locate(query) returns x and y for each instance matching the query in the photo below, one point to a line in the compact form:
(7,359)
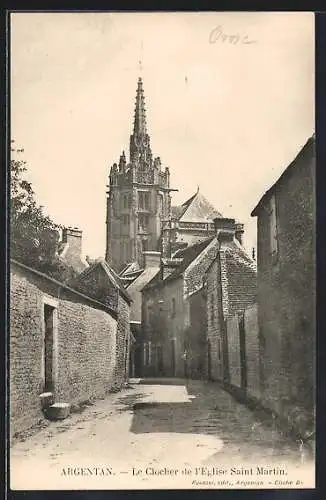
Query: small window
(125,219)
(160,204)
(219,349)
(144,200)
(143,221)
(141,200)
(173,308)
(212,307)
(273,226)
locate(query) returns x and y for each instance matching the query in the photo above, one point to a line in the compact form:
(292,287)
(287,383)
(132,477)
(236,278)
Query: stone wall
(84,345)
(287,289)
(234,354)
(123,343)
(252,351)
(214,324)
(231,284)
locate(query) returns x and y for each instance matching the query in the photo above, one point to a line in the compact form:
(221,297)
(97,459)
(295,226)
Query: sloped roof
(135,288)
(129,278)
(196,209)
(130,268)
(238,252)
(177,211)
(307,149)
(154,281)
(147,275)
(61,284)
(112,275)
(189,254)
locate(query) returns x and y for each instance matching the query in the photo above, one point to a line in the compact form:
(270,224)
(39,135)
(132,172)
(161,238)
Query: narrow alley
(167,433)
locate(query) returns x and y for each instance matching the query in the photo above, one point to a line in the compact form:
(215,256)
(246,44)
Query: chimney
(224,228)
(151,259)
(239,230)
(72,237)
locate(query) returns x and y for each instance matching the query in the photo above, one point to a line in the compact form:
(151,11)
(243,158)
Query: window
(125,201)
(125,220)
(129,200)
(143,200)
(219,349)
(273,226)
(160,204)
(173,308)
(143,221)
(212,308)
(144,244)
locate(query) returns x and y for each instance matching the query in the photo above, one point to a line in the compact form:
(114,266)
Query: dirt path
(146,435)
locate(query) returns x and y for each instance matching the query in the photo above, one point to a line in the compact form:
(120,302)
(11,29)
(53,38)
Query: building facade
(231,289)
(139,197)
(286,287)
(187,306)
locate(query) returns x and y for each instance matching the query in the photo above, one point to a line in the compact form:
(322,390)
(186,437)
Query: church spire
(140,116)
(139,139)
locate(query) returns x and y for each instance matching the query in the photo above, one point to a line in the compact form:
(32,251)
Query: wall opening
(173,356)
(48,315)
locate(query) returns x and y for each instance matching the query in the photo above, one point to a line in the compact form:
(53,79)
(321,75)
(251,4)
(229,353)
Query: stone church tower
(138,198)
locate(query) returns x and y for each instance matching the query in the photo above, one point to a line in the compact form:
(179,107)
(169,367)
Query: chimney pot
(151,259)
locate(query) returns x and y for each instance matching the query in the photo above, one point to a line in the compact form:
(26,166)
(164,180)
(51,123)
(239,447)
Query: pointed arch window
(144,200)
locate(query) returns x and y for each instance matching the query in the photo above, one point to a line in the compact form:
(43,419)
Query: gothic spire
(139,139)
(140,117)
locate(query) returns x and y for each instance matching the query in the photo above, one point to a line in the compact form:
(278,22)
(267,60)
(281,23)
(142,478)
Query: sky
(223,114)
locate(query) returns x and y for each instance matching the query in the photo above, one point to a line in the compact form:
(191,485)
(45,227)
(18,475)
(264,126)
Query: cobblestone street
(127,439)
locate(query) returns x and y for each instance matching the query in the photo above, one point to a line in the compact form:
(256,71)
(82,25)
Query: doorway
(242,342)
(160,365)
(173,354)
(48,348)
(209,360)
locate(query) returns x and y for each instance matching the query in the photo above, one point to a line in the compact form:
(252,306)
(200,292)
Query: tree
(34,237)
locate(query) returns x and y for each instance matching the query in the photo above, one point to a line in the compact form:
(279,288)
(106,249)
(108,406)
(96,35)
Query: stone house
(186,307)
(174,314)
(101,282)
(231,288)
(286,287)
(62,341)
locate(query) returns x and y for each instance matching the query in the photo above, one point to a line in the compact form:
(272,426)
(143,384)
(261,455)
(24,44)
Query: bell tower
(138,199)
